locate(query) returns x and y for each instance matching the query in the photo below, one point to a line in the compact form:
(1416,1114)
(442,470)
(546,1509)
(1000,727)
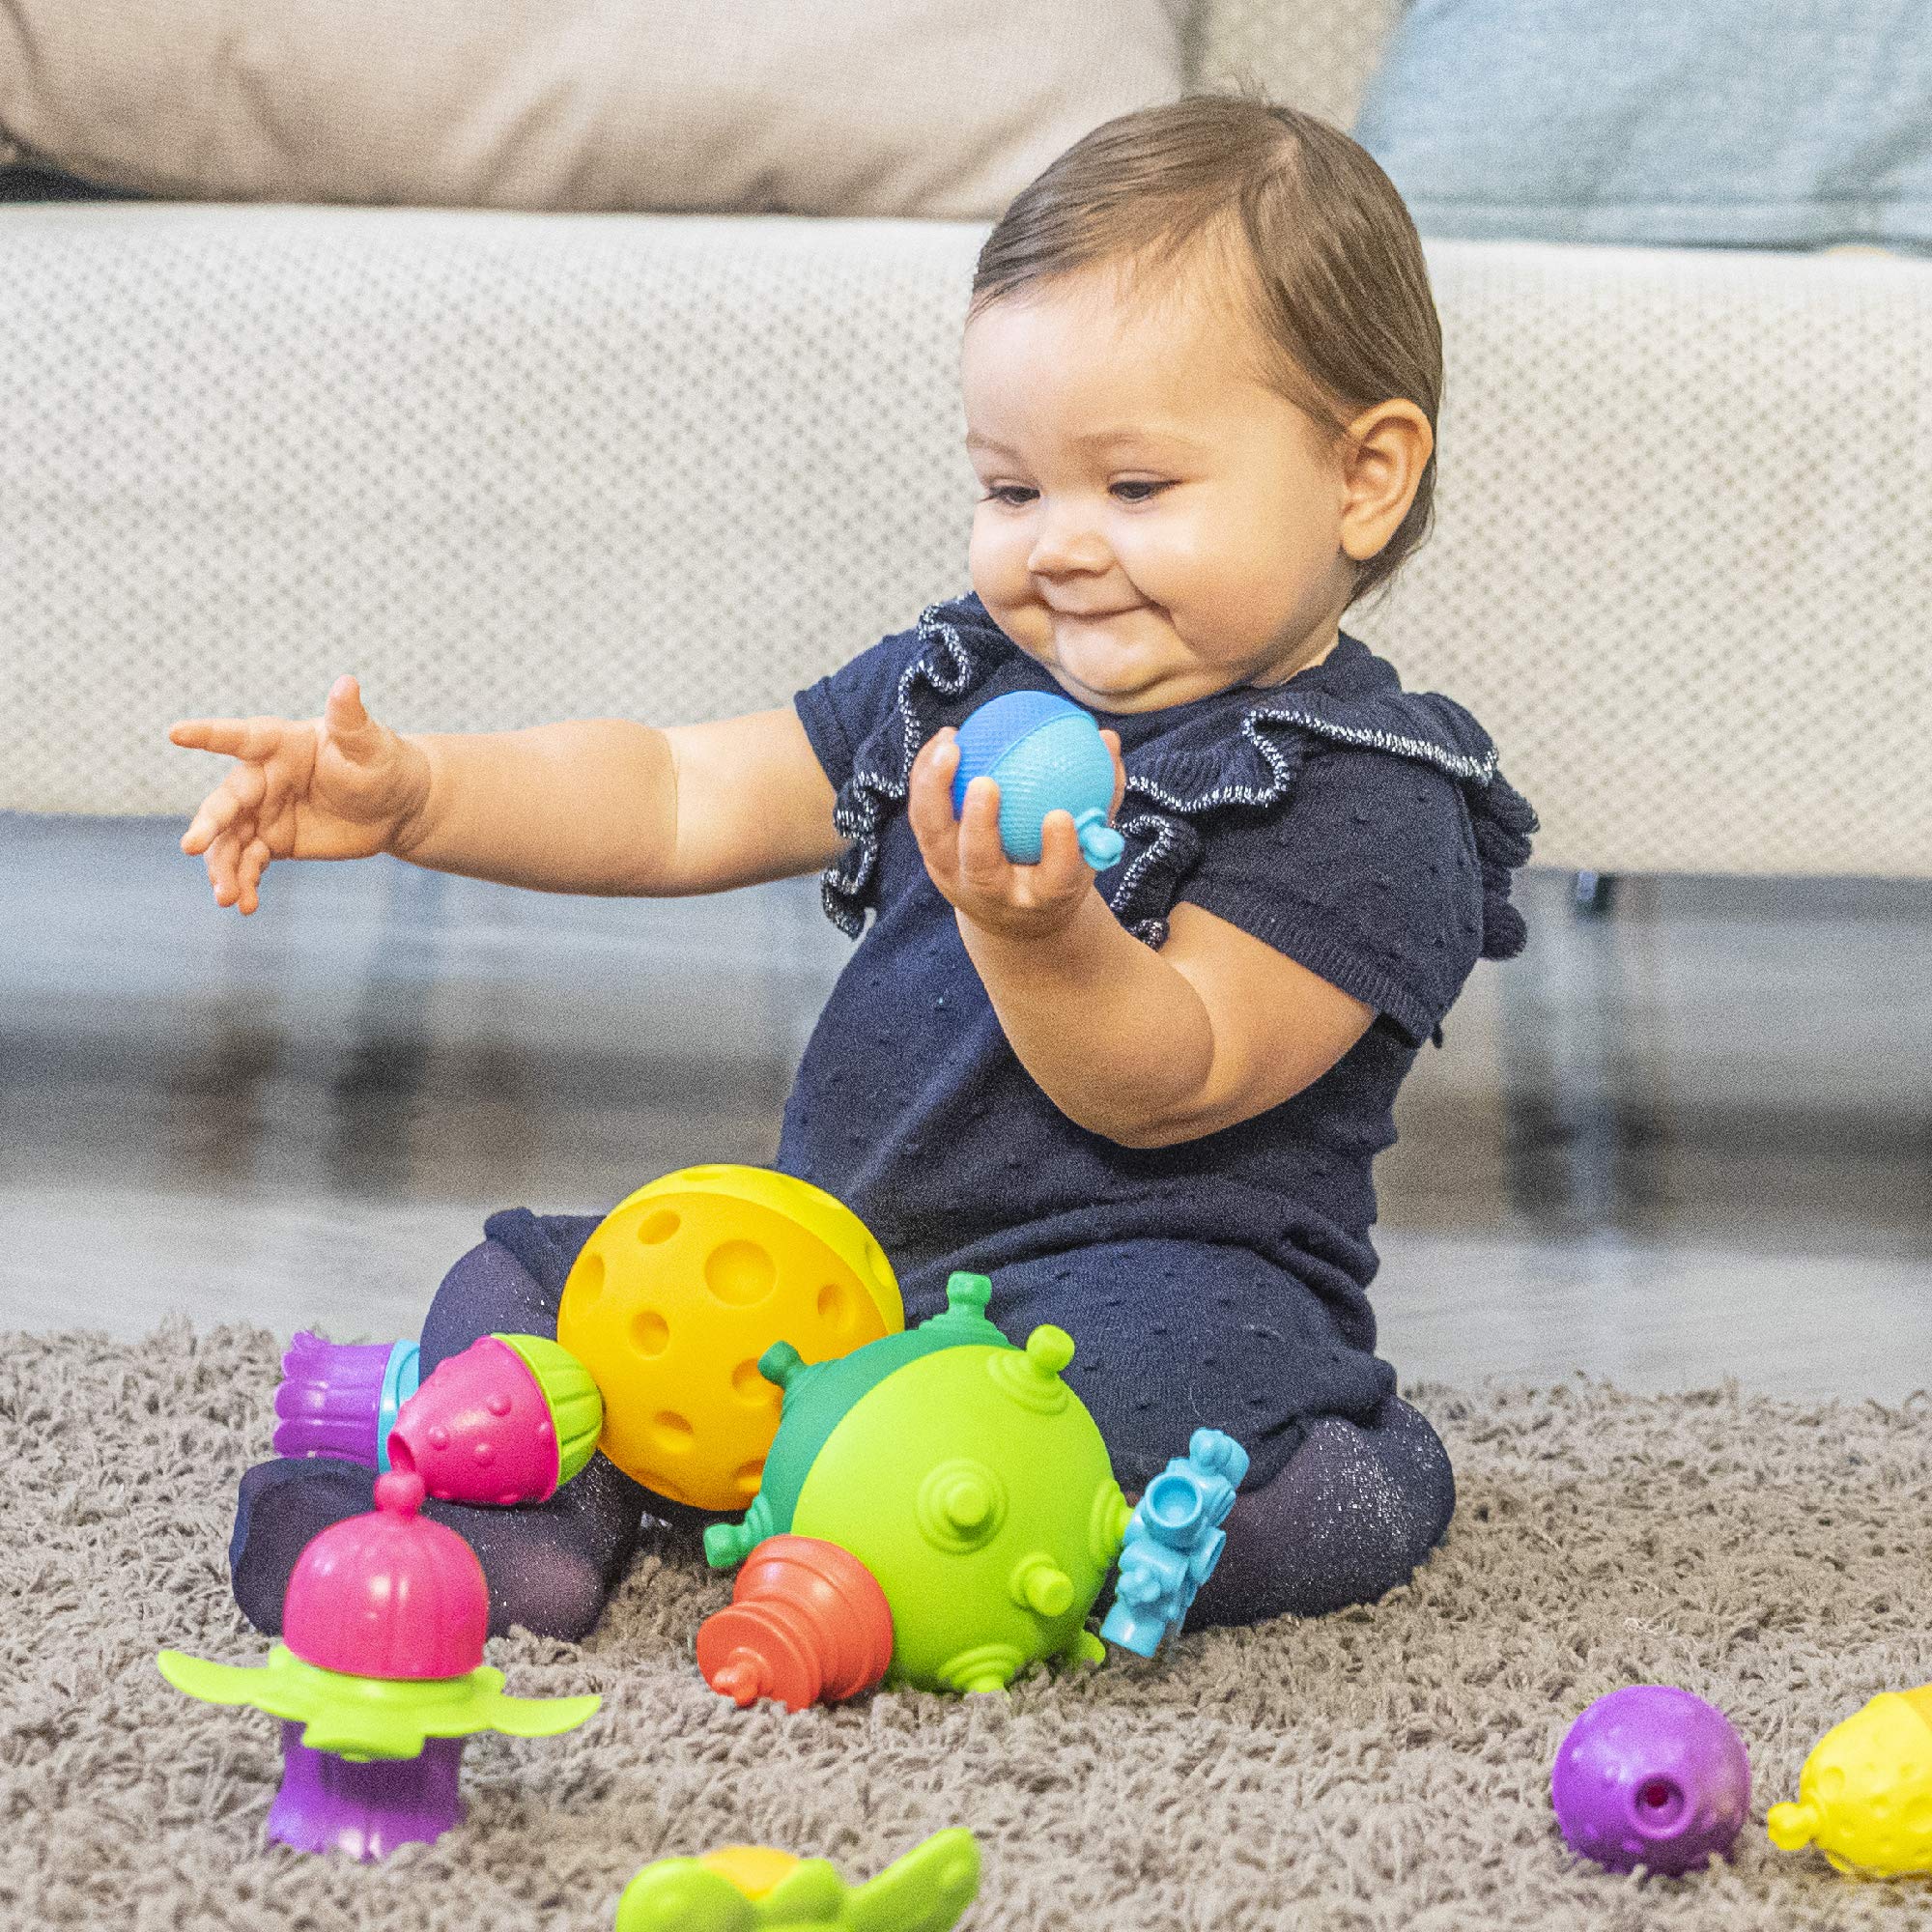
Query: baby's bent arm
(613,806)
(1149,1048)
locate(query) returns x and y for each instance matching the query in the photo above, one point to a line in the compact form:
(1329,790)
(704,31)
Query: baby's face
(1155,523)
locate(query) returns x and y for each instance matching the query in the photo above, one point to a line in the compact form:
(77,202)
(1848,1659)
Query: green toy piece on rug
(368,1717)
(742,1887)
(938,1509)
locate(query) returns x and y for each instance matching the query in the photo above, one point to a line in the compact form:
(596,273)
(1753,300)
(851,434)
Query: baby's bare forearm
(1116,1038)
(587,806)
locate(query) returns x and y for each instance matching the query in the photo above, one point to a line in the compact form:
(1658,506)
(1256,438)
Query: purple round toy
(1651,1776)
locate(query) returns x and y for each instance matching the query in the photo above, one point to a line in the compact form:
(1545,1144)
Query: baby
(1201,371)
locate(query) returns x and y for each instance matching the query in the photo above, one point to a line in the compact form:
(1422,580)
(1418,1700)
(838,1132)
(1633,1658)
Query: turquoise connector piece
(399,1382)
(1174,1540)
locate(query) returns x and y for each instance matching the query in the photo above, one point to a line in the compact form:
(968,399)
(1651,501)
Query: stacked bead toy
(378,1679)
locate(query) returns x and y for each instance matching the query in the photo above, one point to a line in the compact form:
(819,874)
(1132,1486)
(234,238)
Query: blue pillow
(1756,124)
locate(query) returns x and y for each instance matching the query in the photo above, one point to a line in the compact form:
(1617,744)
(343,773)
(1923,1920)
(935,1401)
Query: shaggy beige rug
(1386,1768)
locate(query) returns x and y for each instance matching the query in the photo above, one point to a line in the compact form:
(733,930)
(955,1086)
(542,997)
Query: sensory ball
(1651,1776)
(678,1292)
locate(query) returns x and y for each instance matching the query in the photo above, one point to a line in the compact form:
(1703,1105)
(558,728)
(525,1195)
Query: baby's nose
(1068,544)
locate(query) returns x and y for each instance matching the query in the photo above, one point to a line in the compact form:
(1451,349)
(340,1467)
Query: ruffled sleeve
(1372,841)
(867,720)
(841,711)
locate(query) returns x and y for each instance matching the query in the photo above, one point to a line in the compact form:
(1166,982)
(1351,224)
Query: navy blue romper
(1362,830)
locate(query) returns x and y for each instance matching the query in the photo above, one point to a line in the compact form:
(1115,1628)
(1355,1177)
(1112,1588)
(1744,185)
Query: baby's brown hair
(1312,235)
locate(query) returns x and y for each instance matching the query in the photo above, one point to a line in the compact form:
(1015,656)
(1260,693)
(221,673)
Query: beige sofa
(517,467)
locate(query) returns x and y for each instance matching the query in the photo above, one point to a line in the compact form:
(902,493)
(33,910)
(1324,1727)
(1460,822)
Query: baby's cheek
(997,564)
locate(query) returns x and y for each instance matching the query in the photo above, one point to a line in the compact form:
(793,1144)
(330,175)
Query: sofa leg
(1593,895)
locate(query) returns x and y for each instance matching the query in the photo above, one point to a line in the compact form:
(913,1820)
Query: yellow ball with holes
(678,1292)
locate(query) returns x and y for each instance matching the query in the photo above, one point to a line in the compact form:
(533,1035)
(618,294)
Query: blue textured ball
(1046,755)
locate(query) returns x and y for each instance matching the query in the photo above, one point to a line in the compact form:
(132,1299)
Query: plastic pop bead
(1651,1776)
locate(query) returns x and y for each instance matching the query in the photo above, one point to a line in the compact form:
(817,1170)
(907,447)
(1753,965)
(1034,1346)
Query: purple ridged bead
(336,1397)
(327,1803)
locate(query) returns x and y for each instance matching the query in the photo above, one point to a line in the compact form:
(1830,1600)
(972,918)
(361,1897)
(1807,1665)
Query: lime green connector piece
(743,1887)
(576,1407)
(364,1717)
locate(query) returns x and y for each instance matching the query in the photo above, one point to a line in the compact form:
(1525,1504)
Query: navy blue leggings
(1337,1509)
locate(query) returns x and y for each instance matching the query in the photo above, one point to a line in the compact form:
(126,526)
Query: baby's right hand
(338,787)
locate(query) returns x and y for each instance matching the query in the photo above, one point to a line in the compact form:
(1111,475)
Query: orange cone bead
(806,1624)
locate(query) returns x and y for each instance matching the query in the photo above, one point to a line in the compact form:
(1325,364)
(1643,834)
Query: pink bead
(480,1430)
(389,1594)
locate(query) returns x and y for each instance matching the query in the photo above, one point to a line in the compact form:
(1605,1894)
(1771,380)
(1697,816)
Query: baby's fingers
(254,862)
(1063,867)
(236,862)
(241,792)
(983,863)
(255,738)
(929,799)
(224,863)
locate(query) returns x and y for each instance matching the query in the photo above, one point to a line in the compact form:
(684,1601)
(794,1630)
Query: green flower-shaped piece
(364,1717)
(924,1891)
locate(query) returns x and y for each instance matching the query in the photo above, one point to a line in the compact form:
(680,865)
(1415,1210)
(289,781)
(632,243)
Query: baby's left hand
(967,862)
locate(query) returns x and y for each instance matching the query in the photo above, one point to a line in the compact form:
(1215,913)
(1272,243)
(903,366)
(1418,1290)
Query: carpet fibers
(1386,1768)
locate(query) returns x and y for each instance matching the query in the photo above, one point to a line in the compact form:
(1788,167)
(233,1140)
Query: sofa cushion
(1744,123)
(894,107)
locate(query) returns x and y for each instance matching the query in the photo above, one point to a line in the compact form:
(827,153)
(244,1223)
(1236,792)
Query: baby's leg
(551,1566)
(1348,1486)
(1349,1515)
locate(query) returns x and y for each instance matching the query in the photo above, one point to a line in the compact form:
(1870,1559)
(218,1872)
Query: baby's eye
(1016,496)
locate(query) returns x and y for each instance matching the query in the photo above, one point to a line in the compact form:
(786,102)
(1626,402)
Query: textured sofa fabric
(511,468)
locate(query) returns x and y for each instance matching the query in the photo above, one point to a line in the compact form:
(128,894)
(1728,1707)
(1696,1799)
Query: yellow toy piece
(754,1870)
(1865,1796)
(678,1292)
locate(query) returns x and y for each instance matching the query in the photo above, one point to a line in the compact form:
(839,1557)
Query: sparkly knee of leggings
(551,1566)
(1345,1519)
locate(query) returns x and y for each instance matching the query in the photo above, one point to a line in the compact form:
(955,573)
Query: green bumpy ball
(971,1482)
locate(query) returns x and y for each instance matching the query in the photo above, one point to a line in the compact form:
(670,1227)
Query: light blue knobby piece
(1046,755)
(400,1378)
(1174,1540)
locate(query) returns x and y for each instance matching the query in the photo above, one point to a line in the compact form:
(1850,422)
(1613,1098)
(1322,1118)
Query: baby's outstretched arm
(609,806)
(1148,1048)
(601,806)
